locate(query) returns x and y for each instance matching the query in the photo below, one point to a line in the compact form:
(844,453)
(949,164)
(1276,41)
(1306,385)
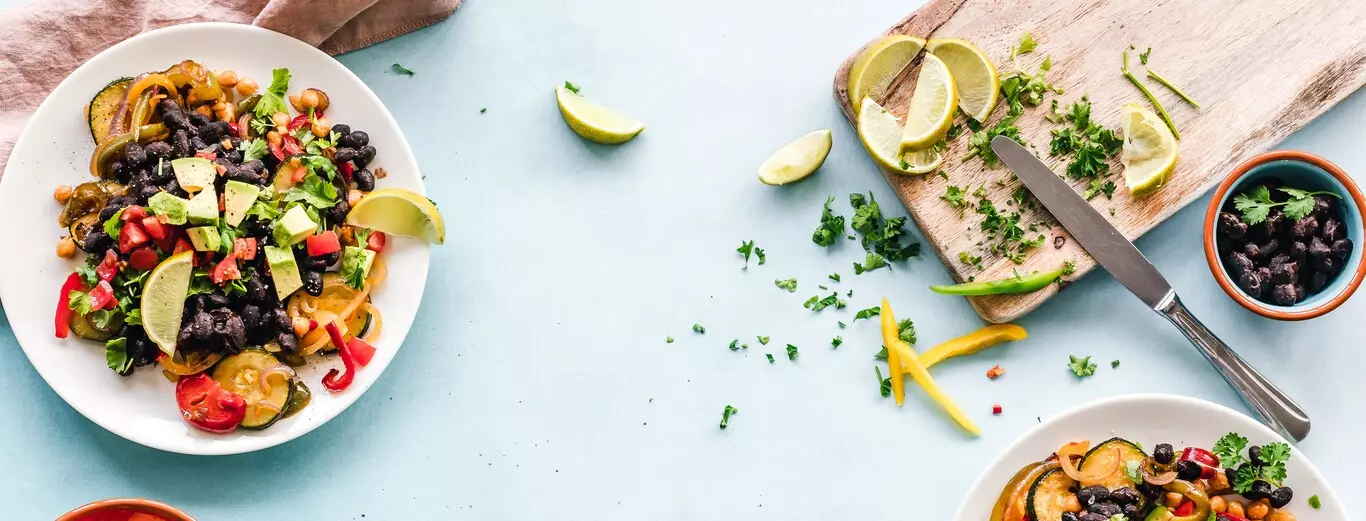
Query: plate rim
(1335,506)
(345,400)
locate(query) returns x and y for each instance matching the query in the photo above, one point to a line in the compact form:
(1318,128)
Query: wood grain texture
(1261,69)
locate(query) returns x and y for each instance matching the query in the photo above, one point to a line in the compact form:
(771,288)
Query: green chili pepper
(1016,284)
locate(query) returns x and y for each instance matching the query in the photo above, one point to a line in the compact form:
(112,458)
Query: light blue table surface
(536,383)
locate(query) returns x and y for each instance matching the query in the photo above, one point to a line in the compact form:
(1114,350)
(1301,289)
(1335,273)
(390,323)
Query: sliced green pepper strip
(112,148)
(1017,284)
(1197,496)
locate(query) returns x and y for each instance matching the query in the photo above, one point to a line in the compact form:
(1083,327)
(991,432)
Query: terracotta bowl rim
(135,504)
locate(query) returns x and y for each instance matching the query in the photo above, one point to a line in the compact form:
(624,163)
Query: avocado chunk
(355,265)
(293,226)
(284,272)
(205,238)
(237,199)
(203,208)
(172,208)
(194,173)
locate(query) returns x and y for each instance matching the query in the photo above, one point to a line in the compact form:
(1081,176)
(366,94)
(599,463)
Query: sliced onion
(1159,479)
(263,381)
(1078,449)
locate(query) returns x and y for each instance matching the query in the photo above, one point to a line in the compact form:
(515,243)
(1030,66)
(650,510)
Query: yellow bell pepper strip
(147,82)
(902,359)
(972,343)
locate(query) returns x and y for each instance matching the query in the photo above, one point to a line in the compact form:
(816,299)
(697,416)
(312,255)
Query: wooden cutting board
(1261,69)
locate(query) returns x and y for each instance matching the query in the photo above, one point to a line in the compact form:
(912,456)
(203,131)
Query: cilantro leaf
(1298,207)
(1027,44)
(1131,470)
(313,191)
(868,313)
(116,356)
(871,261)
(788,284)
(835,342)
(729,410)
(403,70)
(697,328)
(1082,367)
(114,224)
(353,268)
(970,260)
(831,227)
(760,253)
(571,87)
(253,149)
(1255,204)
(1229,450)
(273,98)
(905,330)
(1314,502)
(835,277)
(763,340)
(792,352)
(79,301)
(746,248)
(955,196)
(884,385)
(734,345)
(770,357)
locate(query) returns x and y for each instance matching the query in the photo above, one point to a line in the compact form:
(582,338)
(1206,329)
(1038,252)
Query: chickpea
(63,193)
(1281,515)
(280,119)
(1201,485)
(321,127)
(247,86)
(309,99)
(227,113)
(273,137)
(206,110)
(300,326)
(1220,481)
(1173,499)
(1235,508)
(227,79)
(353,196)
(1258,509)
(1071,505)
(1218,505)
(297,103)
(66,248)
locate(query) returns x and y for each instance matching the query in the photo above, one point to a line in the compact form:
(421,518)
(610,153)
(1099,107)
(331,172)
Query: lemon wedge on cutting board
(595,122)
(973,74)
(881,136)
(796,160)
(1149,153)
(932,106)
(874,70)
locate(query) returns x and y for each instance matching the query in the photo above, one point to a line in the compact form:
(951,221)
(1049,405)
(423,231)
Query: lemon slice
(595,122)
(400,212)
(973,74)
(1149,154)
(163,300)
(874,70)
(797,159)
(881,135)
(932,106)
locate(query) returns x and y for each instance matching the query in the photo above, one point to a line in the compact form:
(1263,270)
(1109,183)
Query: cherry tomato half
(207,406)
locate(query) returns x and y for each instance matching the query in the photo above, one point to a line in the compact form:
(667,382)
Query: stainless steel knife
(1119,256)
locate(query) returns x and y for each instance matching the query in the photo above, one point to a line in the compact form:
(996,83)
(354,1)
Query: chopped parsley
(867,313)
(571,87)
(759,252)
(697,328)
(1272,469)
(1114,364)
(353,266)
(1069,267)
(1091,146)
(815,303)
(1131,470)
(1082,367)
(763,340)
(905,330)
(835,277)
(970,260)
(792,352)
(871,261)
(727,412)
(831,227)
(734,345)
(840,323)
(483,110)
(669,339)
(788,284)
(253,149)
(1097,188)
(1026,46)
(273,97)
(403,70)
(1256,204)
(835,342)
(746,248)
(1229,449)
(770,357)
(116,356)
(1314,502)
(1005,235)
(881,236)
(979,145)
(884,385)
(1143,56)
(955,196)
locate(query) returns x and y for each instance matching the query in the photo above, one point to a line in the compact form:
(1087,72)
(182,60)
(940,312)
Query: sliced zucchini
(241,374)
(1102,455)
(299,400)
(104,107)
(83,327)
(81,227)
(1049,495)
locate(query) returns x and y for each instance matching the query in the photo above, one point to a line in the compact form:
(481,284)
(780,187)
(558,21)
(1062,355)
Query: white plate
(55,149)
(1148,419)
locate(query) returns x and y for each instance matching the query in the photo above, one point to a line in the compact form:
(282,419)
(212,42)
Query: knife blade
(1100,239)
(1128,265)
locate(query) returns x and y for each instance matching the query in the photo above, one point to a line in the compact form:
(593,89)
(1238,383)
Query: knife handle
(1277,410)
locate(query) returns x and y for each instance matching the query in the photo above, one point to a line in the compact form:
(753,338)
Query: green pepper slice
(1016,284)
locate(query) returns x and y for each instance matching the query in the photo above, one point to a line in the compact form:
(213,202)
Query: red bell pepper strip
(334,380)
(346,170)
(63,319)
(361,351)
(276,151)
(109,267)
(1185,508)
(102,296)
(291,145)
(298,122)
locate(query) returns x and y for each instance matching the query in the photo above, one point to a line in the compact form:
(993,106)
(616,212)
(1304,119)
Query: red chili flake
(996,409)
(995,372)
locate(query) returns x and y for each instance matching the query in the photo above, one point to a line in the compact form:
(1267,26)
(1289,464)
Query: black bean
(233,156)
(1150,491)
(1260,490)
(1239,264)
(364,156)
(1298,250)
(157,150)
(213,131)
(1281,497)
(1131,511)
(365,180)
(341,129)
(1163,453)
(1269,248)
(1324,204)
(236,331)
(1093,494)
(1284,295)
(1068,516)
(1251,283)
(1254,455)
(251,316)
(1341,248)
(1279,258)
(282,321)
(1125,496)
(287,340)
(1092,516)
(1253,252)
(180,145)
(353,139)
(133,154)
(256,291)
(184,338)
(343,154)
(1332,230)
(1316,282)
(1188,470)
(198,119)
(198,144)
(313,282)
(175,119)
(1318,249)
(1231,226)
(337,213)
(96,241)
(1106,509)
(1329,265)
(1305,227)
(1285,273)
(245,175)
(202,326)
(1274,223)
(215,301)
(147,191)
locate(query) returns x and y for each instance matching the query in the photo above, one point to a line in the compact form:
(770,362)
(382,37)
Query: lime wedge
(163,300)
(973,74)
(1149,154)
(881,136)
(400,212)
(595,122)
(874,70)
(796,160)
(932,106)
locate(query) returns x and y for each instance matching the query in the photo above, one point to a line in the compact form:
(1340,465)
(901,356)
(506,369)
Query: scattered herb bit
(1098,187)
(483,110)
(1082,367)
(1069,267)
(942,174)
(734,345)
(1026,46)
(817,304)
(831,227)
(1143,56)
(970,260)
(1112,212)
(1005,235)
(669,339)
(116,356)
(571,87)
(835,342)
(1314,502)
(763,340)
(835,277)
(403,70)
(881,354)
(1114,364)
(979,145)
(871,261)
(759,252)
(884,385)
(697,328)
(905,329)
(867,313)
(880,235)
(1272,469)
(904,165)
(954,131)
(995,372)
(770,357)
(822,287)
(1154,75)
(1131,470)
(1161,111)
(841,324)
(788,284)
(746,248)
(955,196)
(726,414)
(1256,204)
(792,352)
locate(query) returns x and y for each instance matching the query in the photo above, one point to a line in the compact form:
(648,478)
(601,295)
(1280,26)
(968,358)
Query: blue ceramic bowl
(1307,172)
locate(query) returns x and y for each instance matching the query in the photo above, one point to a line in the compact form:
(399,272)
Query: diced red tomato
(109,267)
(297,176)
(63,318)
(346,170)
(323,244)
(1185,508)
(220,168)
(244,248)
(361,351)
(376,241)
(182,245)
(155,228)
(225,271)
(143,259)
(133,213)
(207,406)
(276,151)
(222,202)
(102,296)
(206,154)
(291,145)
(132,236)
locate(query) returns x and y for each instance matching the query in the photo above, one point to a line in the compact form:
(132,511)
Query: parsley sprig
(1082,367)
(831,227)
(1256,204)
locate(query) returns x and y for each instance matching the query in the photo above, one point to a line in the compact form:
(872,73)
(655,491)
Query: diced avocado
(267,193)
(1159,514)
(194,173)
(355,265)
(237,199)
(203,208)
(171,207)
(293,226)
(283,271)
(205,238)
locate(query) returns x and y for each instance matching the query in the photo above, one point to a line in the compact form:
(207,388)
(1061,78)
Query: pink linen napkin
(48,39)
